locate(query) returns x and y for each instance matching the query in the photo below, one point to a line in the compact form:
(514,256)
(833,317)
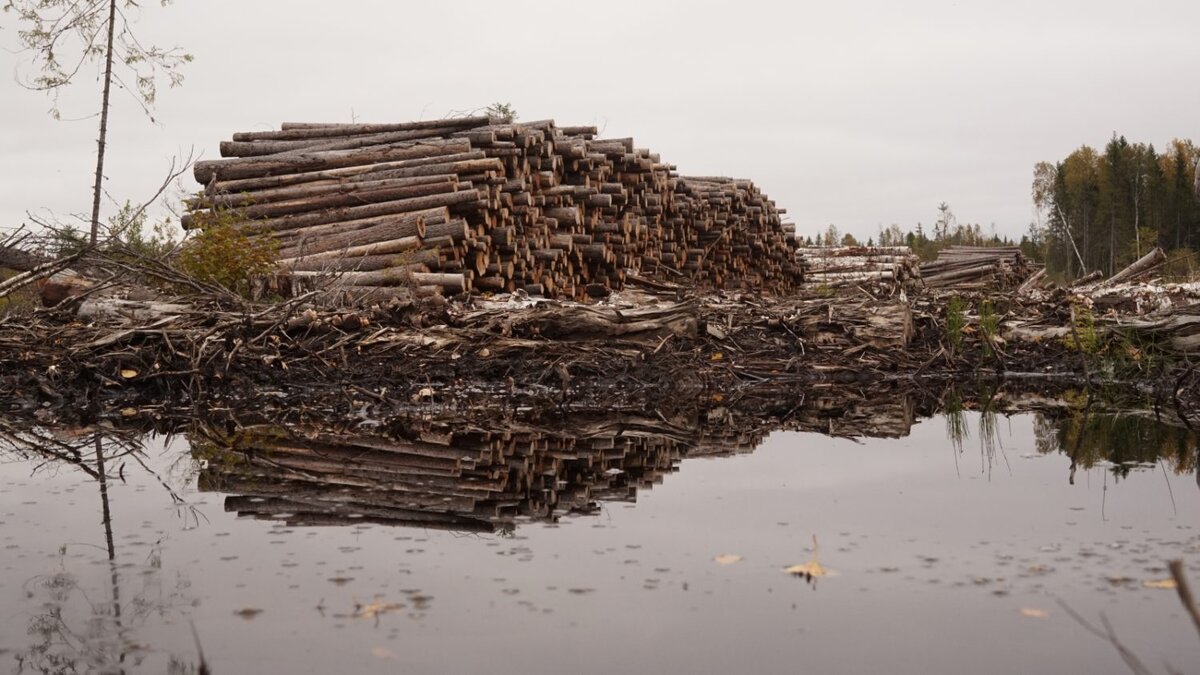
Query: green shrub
(227,255)
(989,325)
(956,323)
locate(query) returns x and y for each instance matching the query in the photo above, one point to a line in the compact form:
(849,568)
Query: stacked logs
(837,266)
(977,268)
(475,204)
(448,477)
(440,472)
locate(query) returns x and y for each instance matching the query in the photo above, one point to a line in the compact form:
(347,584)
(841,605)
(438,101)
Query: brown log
(340,199)
(297,130)
(347,213)
(228,169)
(276,147)
(352,233)
(1139,267)
(366,172)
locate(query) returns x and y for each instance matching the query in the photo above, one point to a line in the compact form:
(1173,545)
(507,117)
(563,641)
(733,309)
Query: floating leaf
(727,559)
(811,569)
(1160,584)
(1034,613)
(383,653)
(375,609)
(129,373)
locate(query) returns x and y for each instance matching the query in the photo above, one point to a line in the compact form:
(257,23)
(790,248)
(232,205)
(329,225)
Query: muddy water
(939,554)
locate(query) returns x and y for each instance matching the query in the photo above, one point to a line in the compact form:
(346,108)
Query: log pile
(440,471)
(449,477)
(474,204)
(977,268)
(838,266)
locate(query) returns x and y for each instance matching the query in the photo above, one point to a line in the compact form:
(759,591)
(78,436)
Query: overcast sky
(859,114)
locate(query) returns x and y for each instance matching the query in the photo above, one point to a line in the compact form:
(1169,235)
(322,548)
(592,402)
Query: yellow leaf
(129,412)
(383,653)
(811,568)
(1035,613)
(727,559)
(1161,584)
(129,374)
(375,609)
(717,356)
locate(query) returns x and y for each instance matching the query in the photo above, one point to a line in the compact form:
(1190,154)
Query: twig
(1185,591)
(1109,635)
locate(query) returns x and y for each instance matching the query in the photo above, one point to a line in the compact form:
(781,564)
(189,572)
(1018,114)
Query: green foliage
(956,421)
(502,112)
(989,325)
(19,301)
(128,227)
(225,254)
(1122,440)
(1104,209)
(1182,265)
(956,323)
(62,36)
(1083,336)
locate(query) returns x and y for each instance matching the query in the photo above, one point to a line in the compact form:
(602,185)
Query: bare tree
(64,37)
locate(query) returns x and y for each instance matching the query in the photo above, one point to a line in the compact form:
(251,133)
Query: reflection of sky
(934,563)
(860,114)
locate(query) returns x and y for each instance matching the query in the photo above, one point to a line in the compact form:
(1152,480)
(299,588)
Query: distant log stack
(977,268)
(474,204)
(837,266)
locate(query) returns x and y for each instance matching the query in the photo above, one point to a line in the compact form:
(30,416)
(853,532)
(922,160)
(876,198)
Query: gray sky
(859,114)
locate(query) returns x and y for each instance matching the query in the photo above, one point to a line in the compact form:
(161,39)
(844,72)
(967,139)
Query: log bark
(1139,267)
(229,169)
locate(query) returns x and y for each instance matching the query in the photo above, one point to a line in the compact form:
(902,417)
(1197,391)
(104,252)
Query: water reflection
(487,475)
(106,603)
(83,624)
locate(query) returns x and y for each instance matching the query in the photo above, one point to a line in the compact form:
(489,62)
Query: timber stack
(480,205)
(837,266)
(977,268)
(438,471)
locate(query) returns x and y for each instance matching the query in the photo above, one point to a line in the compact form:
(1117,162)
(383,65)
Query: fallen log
(1139,267)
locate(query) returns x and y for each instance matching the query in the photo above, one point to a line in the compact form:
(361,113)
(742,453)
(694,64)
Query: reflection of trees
(1124,439)
(82,629)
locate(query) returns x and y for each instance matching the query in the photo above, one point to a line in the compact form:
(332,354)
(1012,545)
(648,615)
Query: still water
(955,548)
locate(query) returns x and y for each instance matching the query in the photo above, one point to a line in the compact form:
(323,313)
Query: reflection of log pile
(474,204)
(972,267)
(449,474)
(836,266)
(453,479)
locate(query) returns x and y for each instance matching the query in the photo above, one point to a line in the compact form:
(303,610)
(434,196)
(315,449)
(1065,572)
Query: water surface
(618,551)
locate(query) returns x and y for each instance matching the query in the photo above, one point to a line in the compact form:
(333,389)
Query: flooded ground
(957,547)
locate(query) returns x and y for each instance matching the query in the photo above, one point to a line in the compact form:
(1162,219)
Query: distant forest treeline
(1094,211)
(1103,210)
(946,231)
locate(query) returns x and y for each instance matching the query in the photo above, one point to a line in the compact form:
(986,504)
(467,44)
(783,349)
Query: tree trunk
(102,141)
